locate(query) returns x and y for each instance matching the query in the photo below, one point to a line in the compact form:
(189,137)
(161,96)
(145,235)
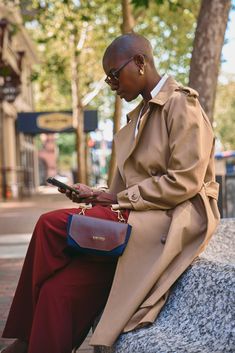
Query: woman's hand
(88,195)
(104,198)
(84,192)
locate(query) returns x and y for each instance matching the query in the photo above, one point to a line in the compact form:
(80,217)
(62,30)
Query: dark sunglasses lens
(112,77)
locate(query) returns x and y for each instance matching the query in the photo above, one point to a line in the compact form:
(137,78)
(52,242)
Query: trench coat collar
(161,98)
(166,91)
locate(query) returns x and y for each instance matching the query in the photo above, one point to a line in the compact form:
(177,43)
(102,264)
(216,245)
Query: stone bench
(199,316)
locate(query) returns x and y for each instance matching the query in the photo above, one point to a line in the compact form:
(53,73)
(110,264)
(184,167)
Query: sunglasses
(113,75)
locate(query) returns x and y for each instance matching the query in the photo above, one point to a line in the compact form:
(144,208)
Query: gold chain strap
(84,208)
(89,206)
(119,215)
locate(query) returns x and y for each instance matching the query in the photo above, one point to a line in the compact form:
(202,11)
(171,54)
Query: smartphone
(61,185)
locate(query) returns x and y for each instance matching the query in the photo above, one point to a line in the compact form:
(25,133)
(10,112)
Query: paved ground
(17,220)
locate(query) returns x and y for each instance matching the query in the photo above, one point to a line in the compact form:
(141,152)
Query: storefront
(18,157)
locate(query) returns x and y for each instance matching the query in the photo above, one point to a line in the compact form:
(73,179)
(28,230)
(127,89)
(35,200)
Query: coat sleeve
(190,144)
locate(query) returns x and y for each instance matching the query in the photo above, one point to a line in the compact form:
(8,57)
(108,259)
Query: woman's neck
(151,81)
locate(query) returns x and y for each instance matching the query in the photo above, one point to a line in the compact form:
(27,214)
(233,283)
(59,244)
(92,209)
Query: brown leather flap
(96,233)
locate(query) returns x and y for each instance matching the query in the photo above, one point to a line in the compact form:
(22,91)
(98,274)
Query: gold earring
(141,71)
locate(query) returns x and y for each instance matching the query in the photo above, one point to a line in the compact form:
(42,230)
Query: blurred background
(57,117)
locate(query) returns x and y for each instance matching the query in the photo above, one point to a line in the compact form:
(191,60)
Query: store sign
(49,122)
(55,121)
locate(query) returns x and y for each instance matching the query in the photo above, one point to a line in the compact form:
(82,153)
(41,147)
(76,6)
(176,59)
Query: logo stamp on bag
(95,237)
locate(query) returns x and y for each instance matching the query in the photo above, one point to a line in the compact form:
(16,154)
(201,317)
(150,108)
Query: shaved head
(129,45)
(129,65)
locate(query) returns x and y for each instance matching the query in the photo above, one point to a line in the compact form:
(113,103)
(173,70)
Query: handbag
(96,236)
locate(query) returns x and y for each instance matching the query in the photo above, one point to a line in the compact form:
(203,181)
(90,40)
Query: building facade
(18,156)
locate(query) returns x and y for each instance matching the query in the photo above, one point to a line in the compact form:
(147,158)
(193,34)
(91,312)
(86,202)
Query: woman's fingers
(74,197)
(86,194)
(83,189)
(77,186)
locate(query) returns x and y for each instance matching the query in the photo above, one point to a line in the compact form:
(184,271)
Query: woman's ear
(139,60)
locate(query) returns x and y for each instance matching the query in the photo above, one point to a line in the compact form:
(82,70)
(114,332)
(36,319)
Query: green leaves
(173,4)
(86,18)
(171,34)
(66,143)
(139,3)
(58,24)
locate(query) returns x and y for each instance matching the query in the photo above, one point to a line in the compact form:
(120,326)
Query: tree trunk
(78,117)
(207,47)
(87,160)
(126,27)
(128,22)
(81,158)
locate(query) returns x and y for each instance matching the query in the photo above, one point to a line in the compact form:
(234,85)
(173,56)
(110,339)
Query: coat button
(154,172)
(134,197)
(163,239)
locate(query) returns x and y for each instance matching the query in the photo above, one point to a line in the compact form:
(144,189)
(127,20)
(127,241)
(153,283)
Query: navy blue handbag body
(96,236)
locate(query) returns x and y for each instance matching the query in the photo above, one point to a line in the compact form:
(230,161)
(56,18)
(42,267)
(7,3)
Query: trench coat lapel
(125,139)
(141,127)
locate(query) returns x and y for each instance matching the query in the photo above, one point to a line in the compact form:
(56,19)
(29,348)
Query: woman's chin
(126,97)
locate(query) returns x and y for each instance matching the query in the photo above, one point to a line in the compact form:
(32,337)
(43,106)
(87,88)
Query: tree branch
(89,96)
(83,36)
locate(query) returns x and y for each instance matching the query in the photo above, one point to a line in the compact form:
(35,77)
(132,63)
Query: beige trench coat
(166,177)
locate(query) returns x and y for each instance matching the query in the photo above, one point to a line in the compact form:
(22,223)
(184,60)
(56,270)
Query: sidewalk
(9,274)
(17,219)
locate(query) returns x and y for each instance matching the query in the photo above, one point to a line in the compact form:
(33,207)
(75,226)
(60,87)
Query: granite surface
(199,316)
(221,247)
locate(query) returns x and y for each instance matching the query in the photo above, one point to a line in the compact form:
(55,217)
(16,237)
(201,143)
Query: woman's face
(123,76)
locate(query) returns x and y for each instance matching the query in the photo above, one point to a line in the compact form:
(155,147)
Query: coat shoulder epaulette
(188,91)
